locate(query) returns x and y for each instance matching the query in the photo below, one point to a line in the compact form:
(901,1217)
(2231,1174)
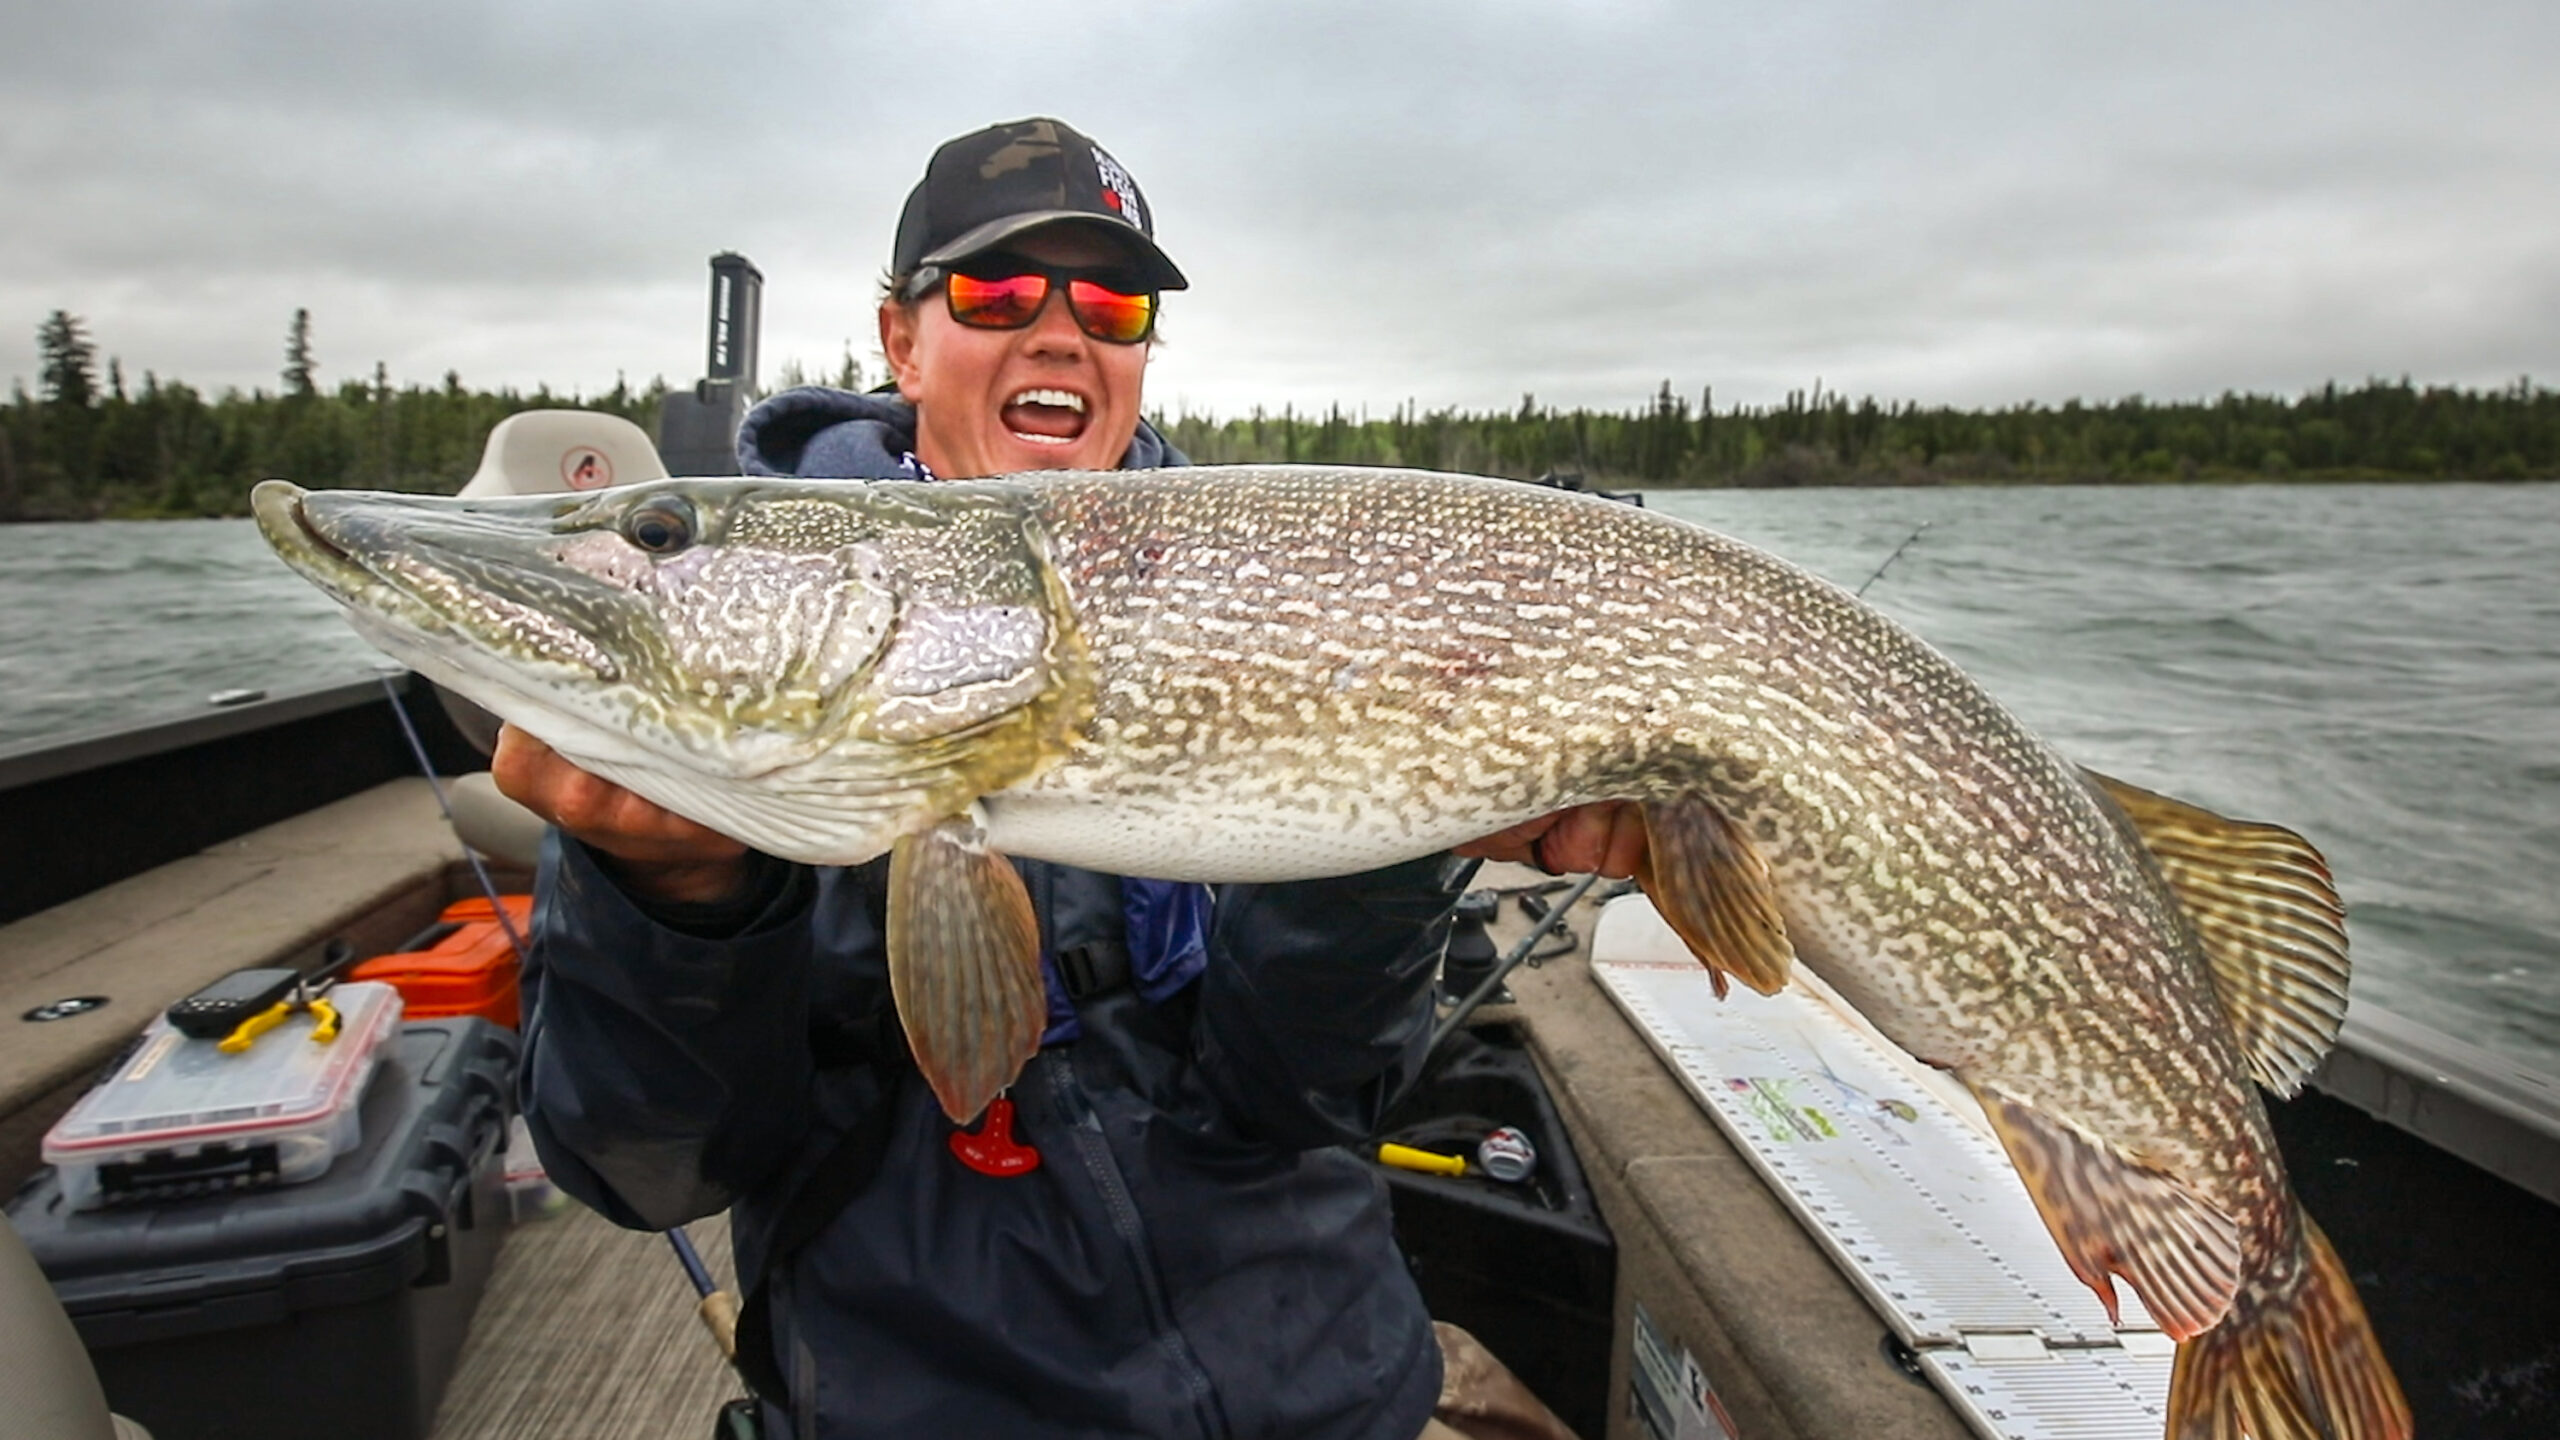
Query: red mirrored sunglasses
(1008,294)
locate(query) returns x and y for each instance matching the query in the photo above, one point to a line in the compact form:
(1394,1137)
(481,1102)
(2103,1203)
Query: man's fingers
(1580,841)
(1606,839)
(1624,854)
(598,811)
(516,767)
(632,815)
(1517,845)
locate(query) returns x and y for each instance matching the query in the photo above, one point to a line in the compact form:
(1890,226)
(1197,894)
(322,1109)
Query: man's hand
(662,855)
(1606,839)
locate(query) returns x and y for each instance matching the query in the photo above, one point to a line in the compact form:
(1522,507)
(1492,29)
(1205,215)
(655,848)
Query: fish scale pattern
(1294,672)
(1274,673)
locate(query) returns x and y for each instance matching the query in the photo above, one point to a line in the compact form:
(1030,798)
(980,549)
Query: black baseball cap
(985,188)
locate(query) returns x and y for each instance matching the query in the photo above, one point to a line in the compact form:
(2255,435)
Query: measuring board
(1910,1194)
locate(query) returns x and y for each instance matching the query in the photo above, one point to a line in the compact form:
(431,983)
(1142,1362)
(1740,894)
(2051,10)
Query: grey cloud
(1454,203)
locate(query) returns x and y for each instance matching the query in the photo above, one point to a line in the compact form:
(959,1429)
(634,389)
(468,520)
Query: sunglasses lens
(1008,303)
(1108,314)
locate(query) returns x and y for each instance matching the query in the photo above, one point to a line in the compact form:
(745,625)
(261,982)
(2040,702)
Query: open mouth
(408,591)
(1046,416)
(311,532)
(286,523)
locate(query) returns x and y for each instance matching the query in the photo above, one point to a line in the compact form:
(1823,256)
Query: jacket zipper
(1095,1149)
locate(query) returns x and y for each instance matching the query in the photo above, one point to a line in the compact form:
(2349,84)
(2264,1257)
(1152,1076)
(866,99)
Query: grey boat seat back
(535,452)
(491,823)
(48,1390)
(542,452)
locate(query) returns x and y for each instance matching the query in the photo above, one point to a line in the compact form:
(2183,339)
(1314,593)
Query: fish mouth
(285,521)
(446,576)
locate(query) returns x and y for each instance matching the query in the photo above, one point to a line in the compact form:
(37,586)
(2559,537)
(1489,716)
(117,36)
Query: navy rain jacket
(1196,1254)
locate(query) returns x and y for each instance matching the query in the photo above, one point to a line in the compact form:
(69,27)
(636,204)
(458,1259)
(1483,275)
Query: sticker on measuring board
(1668,1391)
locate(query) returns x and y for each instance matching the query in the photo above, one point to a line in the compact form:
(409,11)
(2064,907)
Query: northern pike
(1266,674)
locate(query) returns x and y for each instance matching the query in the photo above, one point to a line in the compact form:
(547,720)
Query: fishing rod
(1491,984)
(427,767)
(1861,591)
(718,1308)
(743,1418)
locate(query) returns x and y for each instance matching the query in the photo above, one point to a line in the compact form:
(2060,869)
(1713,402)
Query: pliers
(308,996)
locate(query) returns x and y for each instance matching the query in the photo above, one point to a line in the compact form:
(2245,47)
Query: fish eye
(661,527)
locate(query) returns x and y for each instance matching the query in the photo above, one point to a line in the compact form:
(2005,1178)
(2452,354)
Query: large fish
(1272,674)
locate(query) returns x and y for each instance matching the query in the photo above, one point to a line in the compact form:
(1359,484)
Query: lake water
(2375,666)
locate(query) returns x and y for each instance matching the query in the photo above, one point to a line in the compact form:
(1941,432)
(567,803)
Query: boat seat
(535,452)
(549,452)
(47,1389)
(491,823)
(543,452)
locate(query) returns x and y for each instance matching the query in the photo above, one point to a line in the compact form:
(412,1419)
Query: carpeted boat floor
(588,1331)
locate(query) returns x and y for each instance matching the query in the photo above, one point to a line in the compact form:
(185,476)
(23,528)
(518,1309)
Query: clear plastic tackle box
(178,1118)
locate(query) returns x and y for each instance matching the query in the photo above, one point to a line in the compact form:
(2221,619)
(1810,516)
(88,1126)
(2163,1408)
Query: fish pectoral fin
(2268,917)
(2111,1214)
(1708,881)
(964,964)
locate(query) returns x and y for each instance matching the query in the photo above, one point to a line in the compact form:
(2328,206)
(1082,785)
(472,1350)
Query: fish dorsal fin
(1712,887)
(964,964)
(2113,1215)
(2269,917)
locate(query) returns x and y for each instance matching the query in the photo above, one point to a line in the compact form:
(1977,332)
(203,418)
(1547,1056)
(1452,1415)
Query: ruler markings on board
(1920,1208)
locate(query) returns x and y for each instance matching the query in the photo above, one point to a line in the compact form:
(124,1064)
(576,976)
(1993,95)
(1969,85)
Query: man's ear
(898,346)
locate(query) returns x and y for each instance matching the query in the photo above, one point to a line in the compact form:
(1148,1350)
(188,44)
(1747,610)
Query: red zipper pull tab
(992,1150)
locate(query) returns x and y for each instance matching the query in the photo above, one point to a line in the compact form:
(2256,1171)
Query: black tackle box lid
(379,1220)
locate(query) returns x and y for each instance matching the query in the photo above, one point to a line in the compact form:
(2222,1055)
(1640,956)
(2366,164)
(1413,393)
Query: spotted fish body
(1271,674)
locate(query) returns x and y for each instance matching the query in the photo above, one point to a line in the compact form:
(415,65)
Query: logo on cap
(1118,190)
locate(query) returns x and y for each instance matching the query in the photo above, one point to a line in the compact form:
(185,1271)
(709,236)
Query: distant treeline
(2380,430)
(86,446)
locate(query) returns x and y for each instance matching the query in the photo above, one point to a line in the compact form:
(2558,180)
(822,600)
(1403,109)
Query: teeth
(1062,399)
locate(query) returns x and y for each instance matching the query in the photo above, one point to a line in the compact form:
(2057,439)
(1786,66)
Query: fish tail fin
(2294,1360)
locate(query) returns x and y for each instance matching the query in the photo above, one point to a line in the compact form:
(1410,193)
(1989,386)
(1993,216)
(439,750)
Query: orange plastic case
(468,968)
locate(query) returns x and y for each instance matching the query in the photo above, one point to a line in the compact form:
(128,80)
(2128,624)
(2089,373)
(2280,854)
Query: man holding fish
(1155,1230)
(1294,674)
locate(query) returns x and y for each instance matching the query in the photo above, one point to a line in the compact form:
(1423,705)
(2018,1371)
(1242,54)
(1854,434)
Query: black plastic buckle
(741,1419)
(1095,969)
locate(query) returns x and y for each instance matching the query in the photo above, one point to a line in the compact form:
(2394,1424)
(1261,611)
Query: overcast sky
(1454,203)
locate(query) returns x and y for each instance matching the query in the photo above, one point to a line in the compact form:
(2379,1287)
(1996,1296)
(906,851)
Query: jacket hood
(816,432)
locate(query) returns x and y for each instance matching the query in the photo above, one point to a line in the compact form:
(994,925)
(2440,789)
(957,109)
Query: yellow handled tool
(247,1032)
(1405,1157)
(324,1022)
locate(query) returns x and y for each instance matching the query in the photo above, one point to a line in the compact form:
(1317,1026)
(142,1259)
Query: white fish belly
(1211,842)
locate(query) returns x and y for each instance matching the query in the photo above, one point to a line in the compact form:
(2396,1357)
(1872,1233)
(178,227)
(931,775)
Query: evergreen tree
(297,357)
(68,361)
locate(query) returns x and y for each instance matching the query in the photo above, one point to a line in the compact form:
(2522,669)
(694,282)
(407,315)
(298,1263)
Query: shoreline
(1847,480)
